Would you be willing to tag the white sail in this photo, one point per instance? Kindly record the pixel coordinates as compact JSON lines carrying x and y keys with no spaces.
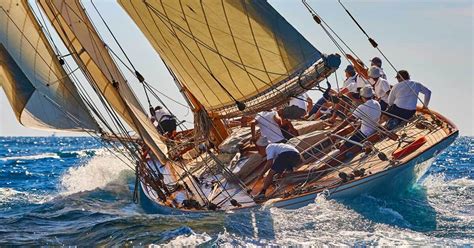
{"x":224,"y":51}
{"x":77,"y":32}
{"x":38,"y":89}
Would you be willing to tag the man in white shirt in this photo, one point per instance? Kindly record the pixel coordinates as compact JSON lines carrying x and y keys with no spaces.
{"x":269,"y":123}
{"x":369,"y":113}
{"x":403,"y":98}
{"x":298,"y":107}
{"x":280,"y":158}
{"x":381,"y":86}
{"x":376,"y":61}
{"x":165,"y":122}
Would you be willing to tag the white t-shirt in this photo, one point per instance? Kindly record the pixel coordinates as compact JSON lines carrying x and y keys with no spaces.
{"x":381,"y":88}
{"x":273,"y":150}
{"x":405,"y":94}
{"x":369,"y":113}
{"x":268,"y":126}
{"x":383,"y":74}
{"x":300,"y":101}
{"x":355,"y":83}
{"x":161,"y":113}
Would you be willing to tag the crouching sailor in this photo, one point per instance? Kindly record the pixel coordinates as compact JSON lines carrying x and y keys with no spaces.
{"x":280,"y":158}
{"x":165,"y":122}
{"x":369,"y":113}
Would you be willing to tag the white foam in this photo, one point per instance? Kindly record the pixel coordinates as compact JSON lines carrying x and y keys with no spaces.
{"x":188,"y":240}
{"x":32,"y":157}
{"x":98,"y":172}
{"x":328,"y":222}
{"x":10,"y":195}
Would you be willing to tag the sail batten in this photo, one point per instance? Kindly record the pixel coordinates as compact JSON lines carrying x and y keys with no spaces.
{"x":71,"y":22}
{"x":40,"y":91}
{"x":223,"y":51}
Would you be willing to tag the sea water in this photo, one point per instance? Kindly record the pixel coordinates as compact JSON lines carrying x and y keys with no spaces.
{"x":72,"y":191}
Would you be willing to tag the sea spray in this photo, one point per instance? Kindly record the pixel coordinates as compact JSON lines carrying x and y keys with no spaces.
{"x":96,"y":173}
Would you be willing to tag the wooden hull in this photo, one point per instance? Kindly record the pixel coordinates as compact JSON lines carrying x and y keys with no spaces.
{"x":391,"y":180}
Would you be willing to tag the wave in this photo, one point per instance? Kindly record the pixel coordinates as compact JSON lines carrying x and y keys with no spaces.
{"x":57,"y":155}
{"x":32,"y":157}
{"x":9,"y":196}
{"x":330,"y":222}
{"x":97,"y":173}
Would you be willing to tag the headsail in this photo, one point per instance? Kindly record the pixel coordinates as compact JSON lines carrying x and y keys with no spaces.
{"x":77,"y":32}
{"x":39,"y":90}
{"x":224,"y":51}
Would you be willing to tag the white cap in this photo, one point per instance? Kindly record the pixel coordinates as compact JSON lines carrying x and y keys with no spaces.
{"x":367,"y":91}
{"x":374,"y":72}
{"x":262,"y":141}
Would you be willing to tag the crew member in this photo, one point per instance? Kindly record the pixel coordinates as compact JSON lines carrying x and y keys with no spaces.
{"x":298,"y":107}
{"x":403,"y":98}
{"x":381,"y":86}
{"x":280,"y":158}
{"x":369,"y":113}
{"x":166,"y":123}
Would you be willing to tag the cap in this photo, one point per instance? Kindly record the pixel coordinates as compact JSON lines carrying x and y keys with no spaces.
{"x":403,"y":74}
{"x":350,"y":68}
{"x":374,"y":72}
{"x":376,"y":61}
{"x":367,"y":91}
{"x":262,"y":141}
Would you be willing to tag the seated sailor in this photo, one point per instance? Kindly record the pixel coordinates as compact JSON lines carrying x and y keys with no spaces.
{"x":376,"y":61}
{"x":166,"y":123}
{"x":280,"y":158}
{"x":381,"y":86}
{"x":298,"y":107}
{"x":349,"y":93}
{"x":403,"y":98}
{"x":369,"y":113}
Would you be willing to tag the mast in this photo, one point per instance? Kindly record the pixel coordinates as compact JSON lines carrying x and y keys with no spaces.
{"x":89,"y":51}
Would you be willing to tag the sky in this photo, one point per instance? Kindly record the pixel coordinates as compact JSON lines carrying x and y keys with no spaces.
{"x":432,"y":39}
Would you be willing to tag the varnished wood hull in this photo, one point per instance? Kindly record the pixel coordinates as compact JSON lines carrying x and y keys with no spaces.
{"x":390,"y":180}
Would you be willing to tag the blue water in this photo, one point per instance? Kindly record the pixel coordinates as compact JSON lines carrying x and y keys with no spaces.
{"x":70,"y":191}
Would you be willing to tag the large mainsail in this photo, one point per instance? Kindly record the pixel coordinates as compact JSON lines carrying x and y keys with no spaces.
{"x":224,"y":51}
{"x":37,"y":87}
{"x":90,"y":52}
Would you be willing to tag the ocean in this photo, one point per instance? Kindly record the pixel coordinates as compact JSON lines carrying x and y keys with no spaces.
{"x":72,"y":191}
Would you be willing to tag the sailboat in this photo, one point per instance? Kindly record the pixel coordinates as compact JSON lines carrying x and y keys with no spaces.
{"x":230,"y":60}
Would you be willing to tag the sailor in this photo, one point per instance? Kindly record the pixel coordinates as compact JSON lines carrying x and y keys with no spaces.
{"x":381,"y":86}
{"x":376,"y":61}
{"x":403,"y":98}
{"x":350,"y":94}
{"x":298,"y":107}
{"x":351,"y":87}
{"x":369,"y":113}
{"x":166,"y":123}
{"x":280,"y":158}
{"x":269,"y":123}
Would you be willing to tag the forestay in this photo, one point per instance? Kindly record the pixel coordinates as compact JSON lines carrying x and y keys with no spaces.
{"x":37,"y":87}
{"x":77,"y":32}
{"x":223,"y":51}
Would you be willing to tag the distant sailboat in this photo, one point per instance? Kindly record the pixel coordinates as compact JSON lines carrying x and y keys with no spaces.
{"x":230,"y":60}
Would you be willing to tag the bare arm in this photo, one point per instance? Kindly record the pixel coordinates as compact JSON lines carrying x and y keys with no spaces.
{"x":252,"y":129}
{"x":266,"y":167}
{"x":309,"y":106}
{"x":358,"y":66}
{"x":278,"y":119}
